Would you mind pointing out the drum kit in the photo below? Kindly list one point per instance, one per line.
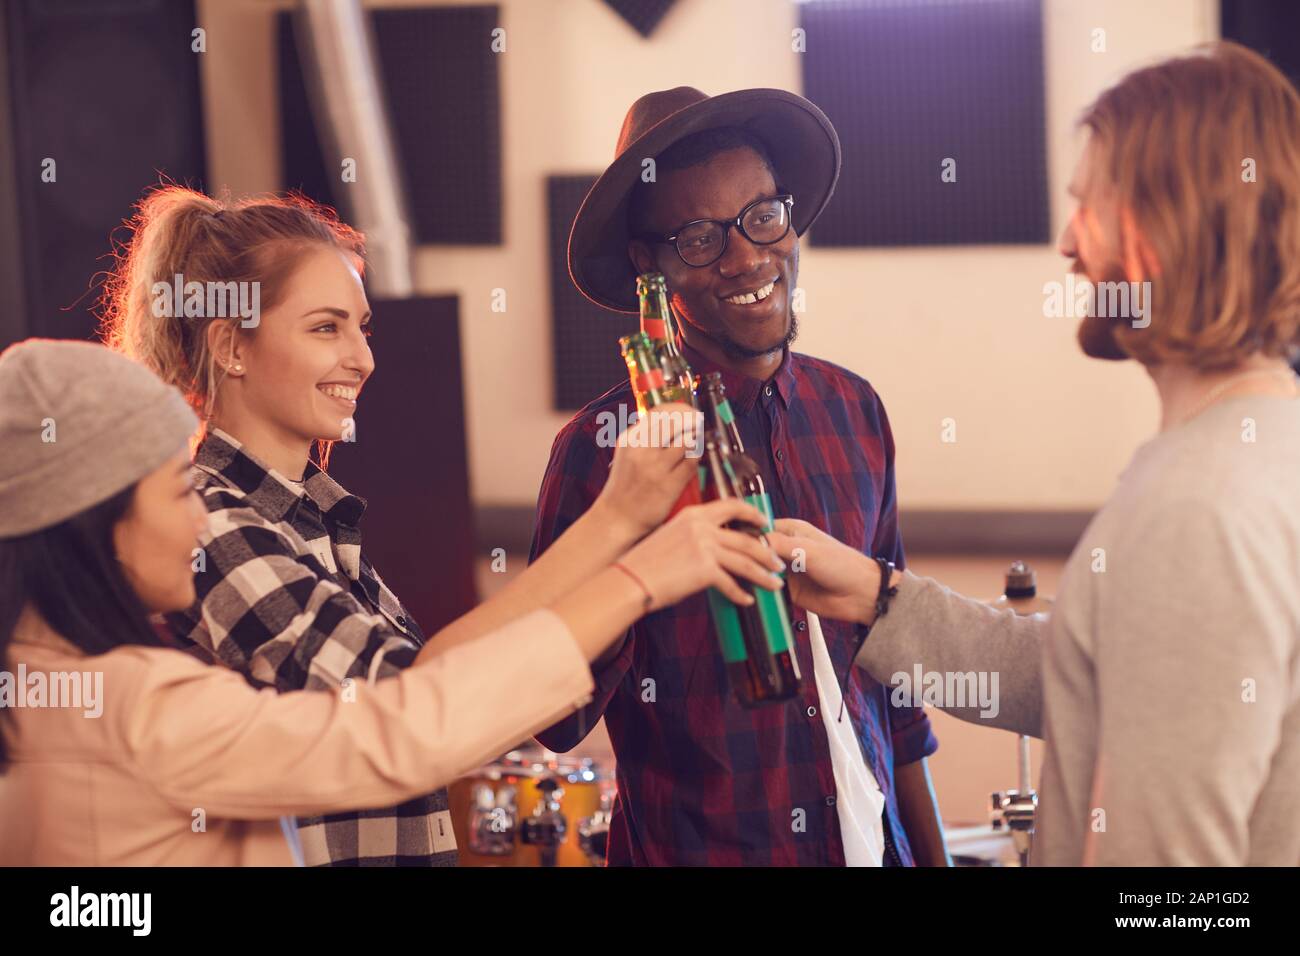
(517, 810)
(532, 807)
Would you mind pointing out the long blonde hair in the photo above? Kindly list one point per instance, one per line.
(180, 231)
(1178, 142)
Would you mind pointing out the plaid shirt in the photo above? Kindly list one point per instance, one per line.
(701, 780)
(287, 598)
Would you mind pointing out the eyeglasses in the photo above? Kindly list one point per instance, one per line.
(701, 242)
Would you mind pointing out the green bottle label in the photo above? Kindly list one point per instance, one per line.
(776, 624)
(763, 503)
(771, 604)
(727, 624)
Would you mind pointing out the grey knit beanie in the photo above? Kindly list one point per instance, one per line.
(78, 424)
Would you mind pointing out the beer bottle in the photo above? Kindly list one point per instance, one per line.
(755, 492)
(756, 640)
(657, 322)
(717, 405)
(650, 385)
(658, 326)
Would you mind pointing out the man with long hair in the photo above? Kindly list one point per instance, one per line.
(1166, 681)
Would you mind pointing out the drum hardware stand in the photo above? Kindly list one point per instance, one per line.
(547, 826)
(494, 821)
(1014, 810)
(593, 831)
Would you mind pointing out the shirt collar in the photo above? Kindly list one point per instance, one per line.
(742, 390)
(269, 491)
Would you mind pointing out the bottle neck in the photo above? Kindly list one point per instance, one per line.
(725, 420)
(657, 320)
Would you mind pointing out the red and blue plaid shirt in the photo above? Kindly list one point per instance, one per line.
(701, 780)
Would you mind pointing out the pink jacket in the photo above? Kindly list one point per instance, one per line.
(189, 765)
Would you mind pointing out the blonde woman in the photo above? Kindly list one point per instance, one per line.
(286, 595)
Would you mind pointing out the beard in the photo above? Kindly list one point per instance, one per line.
(1096, 333)
(735, 350)
(1096, 337)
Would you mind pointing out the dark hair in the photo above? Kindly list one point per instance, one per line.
(70, 575)
(693, 150)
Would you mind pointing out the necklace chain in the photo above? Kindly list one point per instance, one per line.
(1217, 391)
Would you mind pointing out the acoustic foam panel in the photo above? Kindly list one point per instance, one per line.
(110, 92)
(442, 88)
(911, 84)
(584, 336)
(1269, 27)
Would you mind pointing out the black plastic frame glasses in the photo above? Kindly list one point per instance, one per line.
(786, 199)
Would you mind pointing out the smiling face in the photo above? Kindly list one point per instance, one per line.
(720, 303)
(155, 539)
(297, 377)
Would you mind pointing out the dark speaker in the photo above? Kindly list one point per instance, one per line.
(1270, 27)
(584, 336)
(109, 91)
(409, 460)
(912, 85)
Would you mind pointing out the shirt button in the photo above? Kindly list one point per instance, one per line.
(768, 390)
(812, 711)
(830, 801)
(802, 626)
(780, 455)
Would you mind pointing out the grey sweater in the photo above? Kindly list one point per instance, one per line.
(1166, 680)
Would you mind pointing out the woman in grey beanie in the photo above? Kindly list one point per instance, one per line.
(115, 746)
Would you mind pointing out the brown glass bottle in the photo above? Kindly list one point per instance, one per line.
(659, 326)
(658, 323)
(649, 383)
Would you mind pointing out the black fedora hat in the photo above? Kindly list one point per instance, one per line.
(798, 136)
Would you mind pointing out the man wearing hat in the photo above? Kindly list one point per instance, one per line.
(714, 192)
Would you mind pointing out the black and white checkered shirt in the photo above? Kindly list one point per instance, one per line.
(286, 597)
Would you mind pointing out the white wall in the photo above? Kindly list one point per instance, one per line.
(942, 333)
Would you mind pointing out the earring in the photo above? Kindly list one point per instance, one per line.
(237, 368)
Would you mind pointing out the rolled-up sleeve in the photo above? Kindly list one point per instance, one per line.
(203, 737)
(911, 734)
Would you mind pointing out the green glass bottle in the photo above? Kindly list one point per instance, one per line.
(757, 642)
